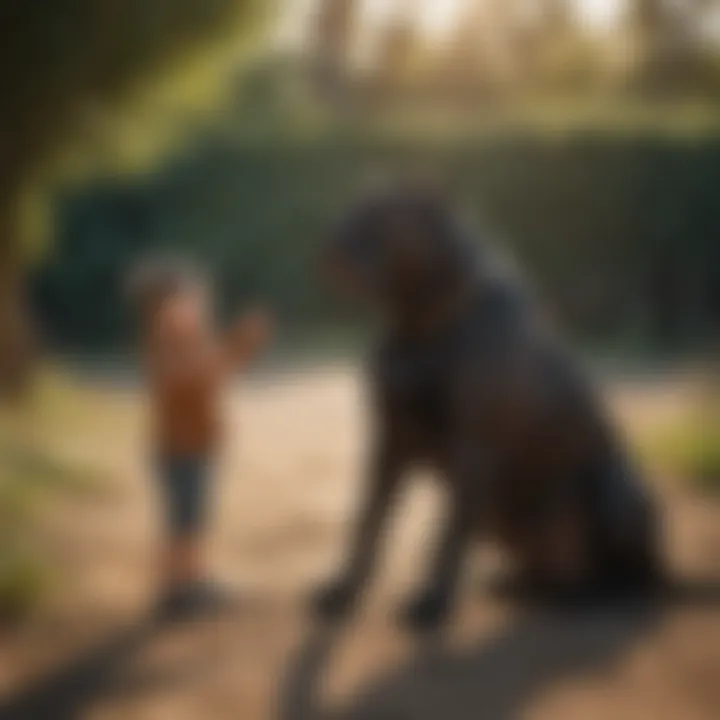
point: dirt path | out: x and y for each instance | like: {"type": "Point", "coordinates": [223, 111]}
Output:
{"type": "Point", "coordinates": [284, 495]}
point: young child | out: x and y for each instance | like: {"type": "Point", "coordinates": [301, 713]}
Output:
{"type": "Point", "coordinates": [187, 364]}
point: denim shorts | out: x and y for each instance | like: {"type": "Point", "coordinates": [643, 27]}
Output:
{"type": "Point", "coordinates": [184, 486]}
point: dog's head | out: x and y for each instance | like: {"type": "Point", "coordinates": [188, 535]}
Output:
{"type": "Point", "coordinates": [401, 248]}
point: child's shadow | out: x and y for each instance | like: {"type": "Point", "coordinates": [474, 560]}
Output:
{"type": "Point", "coordinates": [496, 679]}
{"type": "Point", "coordinates": [65, 692]}
{"type": "Point", "coordinates": [103, 671]}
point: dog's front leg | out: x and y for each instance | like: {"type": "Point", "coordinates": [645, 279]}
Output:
{"type": "Point", "coordinates": [337, 597]}
{"type": "Point", "coordinates": [468, 484]}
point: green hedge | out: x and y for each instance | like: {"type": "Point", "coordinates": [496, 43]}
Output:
{"type": "Point", "coordinates": [620, 232]}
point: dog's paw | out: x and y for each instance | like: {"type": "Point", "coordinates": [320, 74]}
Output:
{"type": "Point", "coordinates": [334, 600]}
{"type": "Point", "coordinates": [425, 613]}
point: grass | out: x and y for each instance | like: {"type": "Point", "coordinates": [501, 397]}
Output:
{"type": "Point", "coordinates": [698, 454]}
{"type": "Point", "coordinates": [37, 468]}
{"type": "Point", "coordinates": [689, 449]}
{"type": "Point", "coordinates": [32, 475]}
{"type": "Point", "coordinates": [29, 480]}
{"type": "Point", "coordinates": [23, 580]}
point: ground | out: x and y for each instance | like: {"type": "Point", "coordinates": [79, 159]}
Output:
{"type": "Point", "coordinates": [285, 492]}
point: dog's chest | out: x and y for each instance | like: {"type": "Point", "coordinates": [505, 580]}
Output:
{"type": "Point", "coordinates": [416, 386]}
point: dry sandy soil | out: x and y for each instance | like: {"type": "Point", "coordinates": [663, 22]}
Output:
{"type": "Point", "coordinates": [285, 491]}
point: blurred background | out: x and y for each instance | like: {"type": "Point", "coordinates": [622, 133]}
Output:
{"type": "Point", "coordinates": [586, 133]}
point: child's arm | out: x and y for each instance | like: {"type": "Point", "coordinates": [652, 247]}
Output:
{"type": "Point", "coordinates": [248, 336]}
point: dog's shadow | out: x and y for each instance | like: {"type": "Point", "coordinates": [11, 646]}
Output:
{"type": "Point", "coordinates": [496, 679]}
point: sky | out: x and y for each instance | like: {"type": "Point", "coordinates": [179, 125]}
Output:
{"type": "Point", "coordinates": [435, 17]}
{"type": "Point", "coordinates": [439, 16]}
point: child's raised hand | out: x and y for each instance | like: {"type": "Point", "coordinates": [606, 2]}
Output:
{"type": "Point", "coordinates": [253, 332]}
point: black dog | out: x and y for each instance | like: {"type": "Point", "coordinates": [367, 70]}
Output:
{"type": "Point", "coordinates": [472, 380]}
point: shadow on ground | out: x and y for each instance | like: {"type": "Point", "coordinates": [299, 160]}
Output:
{"type": "Point", "coordinates": [496, 679]}
{"type": "Point", "coordinates": [63, 693]}
{"type": "Point", "coordinates": [104, 672]}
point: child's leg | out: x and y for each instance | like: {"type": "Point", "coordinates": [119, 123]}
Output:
{"type": "Point", "coordinates": [185, 485]}
{"type": "Point", "coordinates": [183, 561]}
{"type": "Point", "coordinates": [187, 590]}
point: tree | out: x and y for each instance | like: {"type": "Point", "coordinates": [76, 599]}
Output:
{"type": "Point", "coordinates": [332, 38]}
{"type": "Point", "coordinates": [676, 50]}
{"type": "Point", "coordinates": [649, 16]}
{"type": "Point", "coordinates": [397, 50]}
{"type": "Point", "coordinates": [65, 64]}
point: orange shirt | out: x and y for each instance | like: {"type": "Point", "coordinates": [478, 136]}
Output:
{"type": "Point", "coordinates": [188, 367]}
{"type": "Point", "coordinates": [185, 396]}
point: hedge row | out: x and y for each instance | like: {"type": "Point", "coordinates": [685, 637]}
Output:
{"type": "Point", "coordinates": [621, 233]}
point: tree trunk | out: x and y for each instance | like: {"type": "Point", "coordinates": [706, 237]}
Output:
{"type": "Point", "coordinates": [17, 336]}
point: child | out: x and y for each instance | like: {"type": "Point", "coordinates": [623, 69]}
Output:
{"type": "Point", "coordinates": [187, 363]}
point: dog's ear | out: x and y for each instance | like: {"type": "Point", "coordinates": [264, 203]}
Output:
{"type": "Point", "coordinates": [409, 238]}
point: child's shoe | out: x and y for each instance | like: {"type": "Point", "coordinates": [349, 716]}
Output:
{"type": "Point", "coordinates": [197, 599]}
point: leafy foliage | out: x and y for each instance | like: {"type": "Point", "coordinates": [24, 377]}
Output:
{"type": "Point", "coordinates": [32, 476]}
{"type": "Point", "coordinates": [69, 71]}
{"type": "Point", "coordinates": [619, 229]}
{"type": "Point", "coordinates": [688, 449]}
{"type": "Point", "coordinates": [66, 64]}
